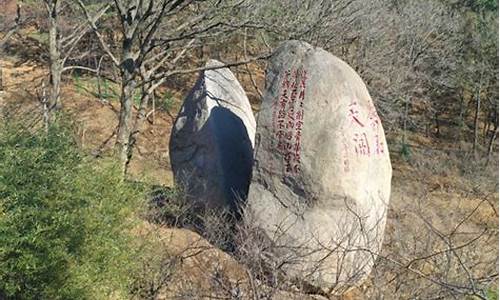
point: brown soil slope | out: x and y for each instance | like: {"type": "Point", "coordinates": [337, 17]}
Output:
{"type": "Point", "coordinates": [433, 193]}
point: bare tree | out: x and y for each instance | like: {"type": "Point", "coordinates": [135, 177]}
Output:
{"type": "Point", "coordinates": [479, 69]}
{"type": "Point", "coordinates": [55, 59]}
{"type": "Point", "coordinates": [13, 28]}
{"type": "Point", "coordinates": [155, 37]}
{"type": "Point", "coordinates": [62, 44]}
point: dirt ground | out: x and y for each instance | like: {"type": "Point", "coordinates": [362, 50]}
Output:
{"type": "Point", "coordinates": [432, 185]}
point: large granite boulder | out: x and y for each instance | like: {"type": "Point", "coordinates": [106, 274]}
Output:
{"type": "Point", "coordinates": [322, 175]}
{"type": "Point", "coordinates": [211, 145]}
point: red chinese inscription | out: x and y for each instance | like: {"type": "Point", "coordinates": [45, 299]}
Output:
{"type": "Point", "coordinates": [288, 118]}
{"type": "Point", "coordinates": [367, 137]}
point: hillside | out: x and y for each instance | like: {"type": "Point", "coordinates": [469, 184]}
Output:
{"type": "Point", "coordinates": [89, 94]}
{"type": "Point", "coordinates": [433, 190]}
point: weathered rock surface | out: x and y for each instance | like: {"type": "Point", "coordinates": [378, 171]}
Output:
{"type": "Point", "coordinates": [211, 145]}
{"type": "Point", "coordinates": [322, 175]}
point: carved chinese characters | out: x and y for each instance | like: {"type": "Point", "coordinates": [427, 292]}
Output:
{"type": "Point", "coordinates": [288, 118]}
{"type": "Point", "coordinates": [367, 133]}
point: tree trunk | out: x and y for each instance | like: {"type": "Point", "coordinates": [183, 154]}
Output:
{"type": "Point", "coordinates": [476, 123]}
{"type": "Point", "coordinates": [128, 71]}
{"type": "Point", "coordinates": [491, 143]}
{"type": "Point", "coordinates": [154, 107]}
{"type": "Point", "coordinates": [138, 126]}
{"type": "Point", "coordinates": [13, 29]}
{"type": "Point", "coordinates": [56, 62]}
{"type": "Point", "coordinates": [438, 128]}
{"type": "Point", "coordinates": [405, 120]}
{"type": "Point", "coordinates": [461, 120]}
{"type": "Point", "coordinates": [98, 74]}
{"type": "Point", "coordinates": [124, 124]}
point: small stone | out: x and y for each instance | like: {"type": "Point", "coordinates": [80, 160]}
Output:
{"type": "Point", "coordinates": [211, 145]}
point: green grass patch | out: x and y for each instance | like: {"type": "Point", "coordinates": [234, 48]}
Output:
{"type": "Point", "coordinates": [90, 86]}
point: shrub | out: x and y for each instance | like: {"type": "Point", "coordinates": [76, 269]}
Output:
{"type": "Point", "coordinates": [65, 221]}
{"type": "Point", "coordinates": [166, 103]}
{"type": "Point", "coordinates": [405, 151]}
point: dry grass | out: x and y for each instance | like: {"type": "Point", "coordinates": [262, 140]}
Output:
{"type": "Point", "coordinates": [438, 190]}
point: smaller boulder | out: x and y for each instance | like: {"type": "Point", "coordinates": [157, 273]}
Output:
{"type": "Point", "coordinates": [211, 145]}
